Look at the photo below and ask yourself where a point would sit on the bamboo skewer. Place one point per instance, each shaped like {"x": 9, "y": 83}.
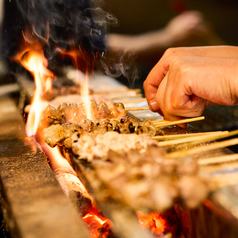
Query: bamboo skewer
{"x": 137, "y": 90}
{"x": 170, "y": 123}
{"x": 135, "y": 101}
{"x": 123, "y": 96}
{"x": 138, "y": 109}
{"x": 218, "y": 159}
{"x": 201, "y": 138}
{"x": 197, "y": 142}
{"x": 204, "y": 148}
{"x": 178, "y": 136}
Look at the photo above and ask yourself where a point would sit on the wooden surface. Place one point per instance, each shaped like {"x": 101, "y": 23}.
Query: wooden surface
{"x": 32, "y": 201}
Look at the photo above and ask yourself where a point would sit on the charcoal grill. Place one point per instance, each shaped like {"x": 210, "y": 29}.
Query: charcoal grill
{"x": 34, "y": 205}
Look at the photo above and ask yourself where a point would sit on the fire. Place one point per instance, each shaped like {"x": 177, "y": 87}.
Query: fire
{"x": 152, "y": 221}
{"x": 32, "y": 58}
{"x": 84, "y": 90}
{"x": 86, "y": 98}
{"x": 36, "y": 63}
{"x": 99, "y": 225}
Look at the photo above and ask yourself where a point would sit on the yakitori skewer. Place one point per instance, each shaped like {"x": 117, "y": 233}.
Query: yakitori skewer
{"x": 214, "y": 169}
{"x": 137, "y": 95}
{"x": 187, "y": 135}
{"x": 224, "y": 180}
{"x": 201, "y": 138}
{"x": 135, "y": 101}
{"x": 164, "y": 123}
{"x": 203, "y": 148}
{"x": 136, "y": 90}
{"x": 218, "y": 159}
{"x": 138, "y": 109}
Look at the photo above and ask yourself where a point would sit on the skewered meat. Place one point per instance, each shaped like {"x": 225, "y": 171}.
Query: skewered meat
{"x": 61, "y": 134}
{"x": 135, "y": 171}
{"x": 89, "y": 146}
{"x": 77, "y": 112}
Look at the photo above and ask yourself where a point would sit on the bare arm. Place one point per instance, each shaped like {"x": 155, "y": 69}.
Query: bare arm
{"x": 185, "y": 29}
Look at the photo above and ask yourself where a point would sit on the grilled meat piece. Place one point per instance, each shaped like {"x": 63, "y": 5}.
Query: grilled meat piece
{"x": 133, "y": 169}
{"x": 61, "y": 134}
{"x": 74, "y": 113}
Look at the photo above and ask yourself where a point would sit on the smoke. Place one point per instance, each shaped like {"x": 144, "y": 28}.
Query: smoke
{"x": 64, "y": 24}
{"x": 121, "y": 63}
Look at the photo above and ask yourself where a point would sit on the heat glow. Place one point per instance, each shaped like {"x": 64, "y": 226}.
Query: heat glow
{"x": 35, "y": 62}
{"x": 99, "y": 225}
{"x": 152, "y": 221}
{"x": 84, "y": 89}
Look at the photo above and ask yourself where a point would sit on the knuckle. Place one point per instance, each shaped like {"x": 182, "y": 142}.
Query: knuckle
{"x": 169, "y": 108}
{"x": 170, "y": 51}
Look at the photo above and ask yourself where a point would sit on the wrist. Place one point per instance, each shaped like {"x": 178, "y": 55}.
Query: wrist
{"x": 233, "y": 82}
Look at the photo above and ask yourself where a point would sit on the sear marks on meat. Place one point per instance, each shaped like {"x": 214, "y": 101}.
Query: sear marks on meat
{"x": 58, "y": 134}
{"x": 74, "y": 113}
{"x": 134, "y": 170}
{"x": 89, "y": 146}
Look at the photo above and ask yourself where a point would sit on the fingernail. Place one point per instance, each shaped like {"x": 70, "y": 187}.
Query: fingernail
{"x": 154, "y": 105}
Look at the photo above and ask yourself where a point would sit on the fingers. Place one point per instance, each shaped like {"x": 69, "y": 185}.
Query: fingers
{"x": 175, "y": 96}
{"x": 152, "y": 82}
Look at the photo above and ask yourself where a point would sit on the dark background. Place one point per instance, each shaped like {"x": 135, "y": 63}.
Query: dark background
{"x": 137, "y": 16}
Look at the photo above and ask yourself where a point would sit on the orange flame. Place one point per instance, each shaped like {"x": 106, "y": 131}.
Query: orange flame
{"x": 32, "y": 58}
{"x": 84, "y": 90}
{"x": 86, "y": 98}
{"x": 36, "y": 63}
{"x": 99, "y": 225}
{"x": 152, "y": 221}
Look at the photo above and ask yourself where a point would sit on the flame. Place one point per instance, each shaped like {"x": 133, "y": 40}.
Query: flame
{"x": 99, "y": 225}
{"x": 84, "y": 89}
{"x": 86, "y": 98}
{"x": 36, "y": 63}
{"x": 32, "y": 58}
{"x": 152, "y": 221}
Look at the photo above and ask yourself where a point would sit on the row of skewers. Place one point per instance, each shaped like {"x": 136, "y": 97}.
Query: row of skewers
{"x": 188, "y": 144}
{"x": 195, "y": 144}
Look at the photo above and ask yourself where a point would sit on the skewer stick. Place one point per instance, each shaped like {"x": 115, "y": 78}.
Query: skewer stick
{"x": 201, "y": 138}
{"x": 224, "y": 179}
{"x": 178, "y": 136}
{"x": 135, "y": 101}
{"x": 204, "y": 148}
{"x": 124, "y": 96}
{"x": 209, "y": 169}
{"x": 138, "y": 109}
{"x": 218, "y": 159}
{"x": 170, "y": 123}
{"x": 137, "y": 90}
{"x": 216, "y": 137}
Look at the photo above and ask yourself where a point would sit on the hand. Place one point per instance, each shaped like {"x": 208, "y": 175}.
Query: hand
{"x": 187, "y": 80}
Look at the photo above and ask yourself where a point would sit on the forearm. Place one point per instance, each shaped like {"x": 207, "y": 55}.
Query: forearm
{"x": 142, "y": 43}
{"x": 204, "y": 51}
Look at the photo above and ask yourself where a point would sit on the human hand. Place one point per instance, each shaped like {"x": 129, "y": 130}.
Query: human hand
{"x": 187, "y": 80}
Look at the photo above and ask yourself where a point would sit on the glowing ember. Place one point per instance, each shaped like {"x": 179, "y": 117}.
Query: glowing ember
{"x": 99, "y": 226}
{"x": 152, "y": 221}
